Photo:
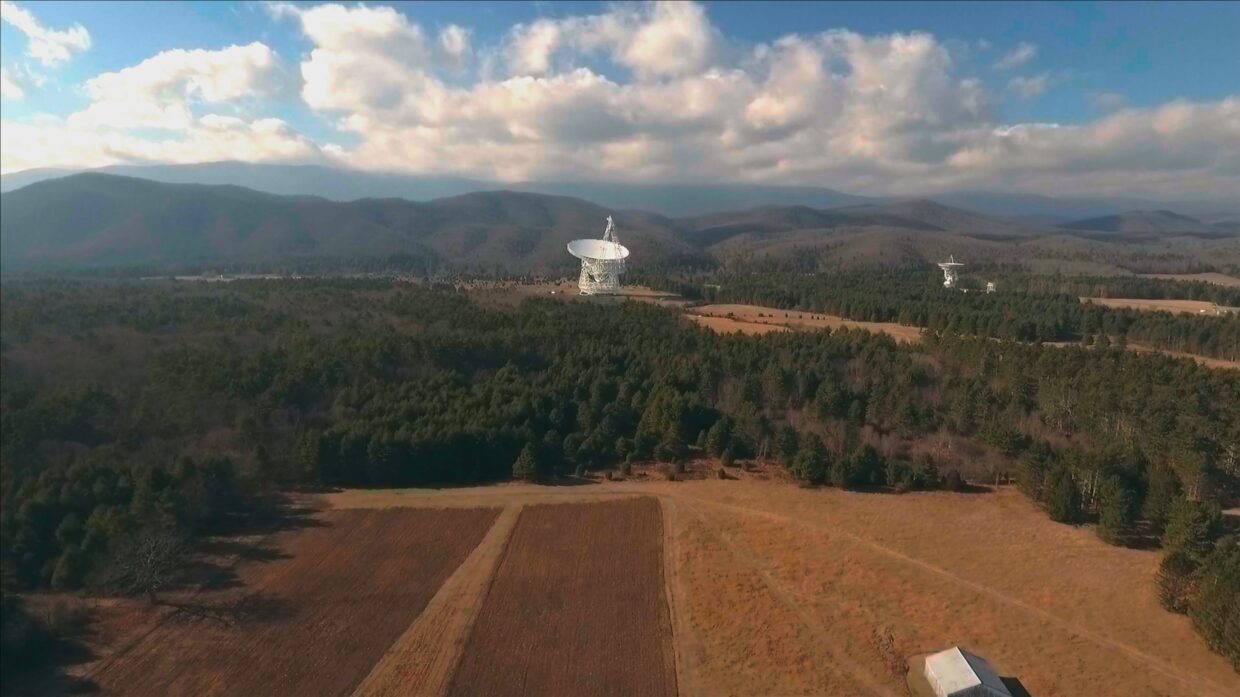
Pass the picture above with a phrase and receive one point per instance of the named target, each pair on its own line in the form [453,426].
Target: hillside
[1149,223]
[105,220]
[97,220]
[674,199]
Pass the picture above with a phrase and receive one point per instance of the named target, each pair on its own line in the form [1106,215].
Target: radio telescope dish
[602,262]
[950,269]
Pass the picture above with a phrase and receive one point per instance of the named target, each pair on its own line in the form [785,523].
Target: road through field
[422,661]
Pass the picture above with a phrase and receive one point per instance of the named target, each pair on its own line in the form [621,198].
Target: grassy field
[754,319]
[1216,278]
[702,587]
[1191,307]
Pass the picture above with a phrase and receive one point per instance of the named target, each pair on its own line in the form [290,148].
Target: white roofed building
[958,673]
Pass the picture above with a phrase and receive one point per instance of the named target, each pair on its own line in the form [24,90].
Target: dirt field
[333,600]
[755,319]
[703,587]
[1215,278]
[577,607]
[776,589]
[1191,307]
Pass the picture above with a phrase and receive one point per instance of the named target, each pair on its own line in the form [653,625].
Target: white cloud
[653,40]
[164,93]
[1031,86]
[213,137]
[48,46]
[642,93]
[9,89]
[159,91]
[1018,56]
[454,45]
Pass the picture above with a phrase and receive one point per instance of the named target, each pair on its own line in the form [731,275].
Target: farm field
[755,319]
[775,589]
[701,587]
[577,607]
[1192,307]
[1215,278]
[332,601]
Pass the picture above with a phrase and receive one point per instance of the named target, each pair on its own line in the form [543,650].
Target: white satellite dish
[602,262]
[951,269]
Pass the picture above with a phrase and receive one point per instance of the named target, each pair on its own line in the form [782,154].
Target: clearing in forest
[1218,279]
[755,319]
[325,610]
[1190,307]
[577,607]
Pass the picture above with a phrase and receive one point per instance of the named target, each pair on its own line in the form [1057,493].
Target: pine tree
[1063,503]
[1176,581]
[526,468]
[1189,529]
[1215,605]
[1117,514]
[1160,495]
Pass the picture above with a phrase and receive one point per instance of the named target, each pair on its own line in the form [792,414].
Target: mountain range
[105,220]
[670,199]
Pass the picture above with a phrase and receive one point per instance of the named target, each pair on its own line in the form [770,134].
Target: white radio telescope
[950,268]
[602,262]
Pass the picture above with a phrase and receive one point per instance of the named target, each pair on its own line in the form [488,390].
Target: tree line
[1028,309]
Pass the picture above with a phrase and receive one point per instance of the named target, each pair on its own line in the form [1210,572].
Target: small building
[958,673]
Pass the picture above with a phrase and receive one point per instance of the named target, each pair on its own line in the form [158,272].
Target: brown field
[1203,360]
[1192,307]
[1215,278]
[335,600]
[577,607]
[755,319]
[776,589]
[702,587]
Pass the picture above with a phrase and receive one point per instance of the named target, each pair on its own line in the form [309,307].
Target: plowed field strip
[422,661]
[342,594]
[1198,684]
[577,607]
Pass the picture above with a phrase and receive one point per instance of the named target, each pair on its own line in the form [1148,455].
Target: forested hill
[102,221]
[105,220]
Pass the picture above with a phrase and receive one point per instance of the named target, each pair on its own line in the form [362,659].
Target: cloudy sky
[879,99]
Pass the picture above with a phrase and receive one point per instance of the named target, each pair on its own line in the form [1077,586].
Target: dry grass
[1192,307]
[576,607]
[333,603]
[1215,278]
[1047,603]
[755,319]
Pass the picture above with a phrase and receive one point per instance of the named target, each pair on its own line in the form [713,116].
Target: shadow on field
[1015,686]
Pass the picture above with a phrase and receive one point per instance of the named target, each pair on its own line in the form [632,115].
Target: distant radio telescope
[602,262]
[950,267]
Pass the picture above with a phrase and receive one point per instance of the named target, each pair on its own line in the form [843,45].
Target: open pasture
[331,603]
[755,319]
[1215,278]
[1191,307]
